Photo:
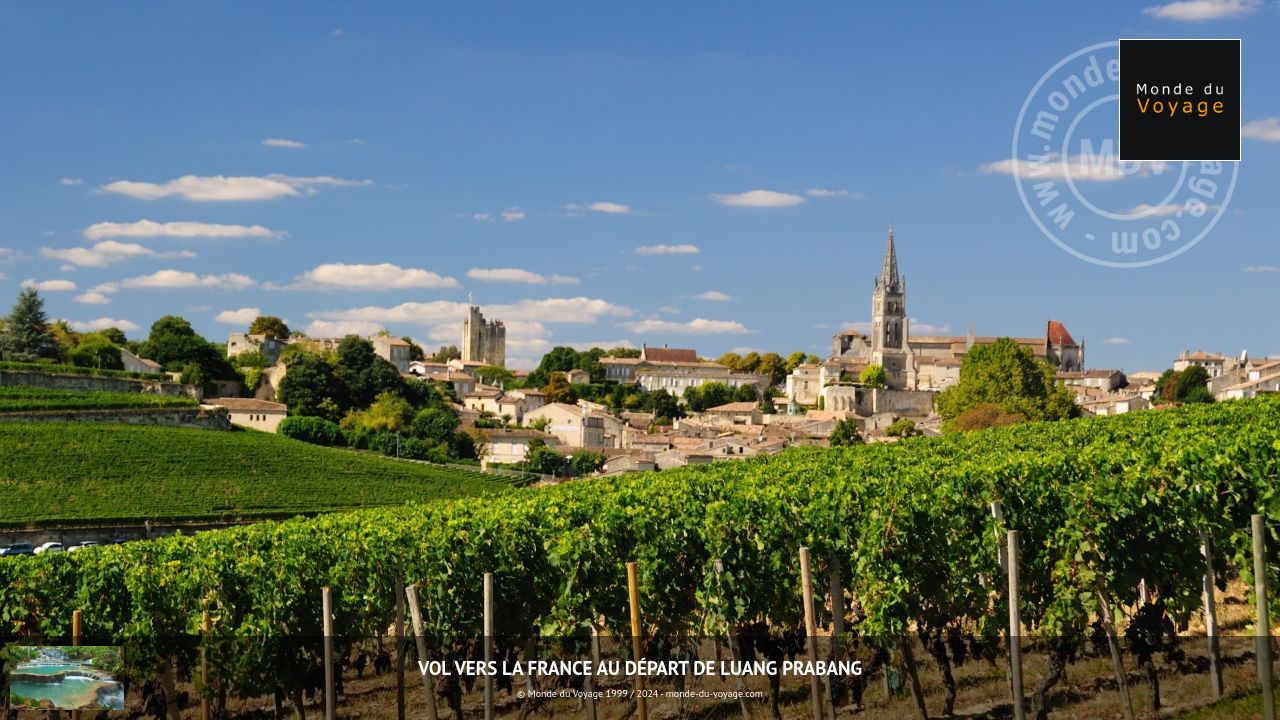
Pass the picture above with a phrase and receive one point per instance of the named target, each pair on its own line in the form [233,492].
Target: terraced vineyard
[26,399]
[70,473]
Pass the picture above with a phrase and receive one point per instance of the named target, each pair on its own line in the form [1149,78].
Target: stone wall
[902,402]
[89,383]
[106,532]
[203,417]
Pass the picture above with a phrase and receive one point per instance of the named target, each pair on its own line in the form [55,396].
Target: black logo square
[1179,100]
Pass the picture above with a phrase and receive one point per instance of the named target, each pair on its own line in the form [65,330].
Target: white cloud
[1162,210]
[481,216]
[1116,341]
[697,326]
[713,296]
[667,250]
[150,228]
[219,188]
[1267,129]
[384,276]
[49,285]
[92,297]
[610,207]
[915,326]
[603,344]
[758,199]
[283,143]
[575,310]
[9,255]
[825,193]
[179,279]
[243,316]
[1080,168]
[512,214]
[516,275]
[1262,269]
[107,252]
[70,181]
[668,309]
[354,141]
[2,276]
[1197,10]
[341,328]
[103,323]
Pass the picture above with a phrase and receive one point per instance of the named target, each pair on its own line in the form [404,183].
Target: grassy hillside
[23,399]
[61,473]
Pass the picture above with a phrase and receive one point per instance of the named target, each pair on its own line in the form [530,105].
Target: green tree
[586,462]
[115,335]
[1192,386]
[663,405]
[845,433]
[364,374]
[902,427]
[269,325]
[416,353]
[388,413]
[434,423]
[558,390]
[1010,377]
[493,375]
[445,354]
[311,388]
[873,376]
[709,395]
[795,360]
[175,345]
[27,335]
[745,393]
[559,359]
[774,366]
[542,459]
[96,351]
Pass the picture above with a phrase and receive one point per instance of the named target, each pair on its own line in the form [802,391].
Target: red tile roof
[1058,334]
[669,354]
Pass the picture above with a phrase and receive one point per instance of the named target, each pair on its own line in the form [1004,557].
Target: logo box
[1179,100]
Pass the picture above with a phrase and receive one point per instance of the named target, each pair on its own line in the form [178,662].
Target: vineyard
[1102,506]
[50,368]
[67,474]
[26,399]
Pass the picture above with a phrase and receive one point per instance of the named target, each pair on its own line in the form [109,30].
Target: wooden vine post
[1117,664]
[637,641]
[835,593]
[77,637]
[330,699]
[1015,628]
[1263,630]
[428,678]
[488,645]
[400,650]
[811,633]
[1211,616]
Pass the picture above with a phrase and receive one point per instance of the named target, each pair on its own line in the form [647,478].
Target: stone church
[913,362]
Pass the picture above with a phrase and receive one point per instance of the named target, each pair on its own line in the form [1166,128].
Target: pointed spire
[889,278]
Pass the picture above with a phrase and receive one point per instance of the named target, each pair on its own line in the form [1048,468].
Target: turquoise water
[72,692]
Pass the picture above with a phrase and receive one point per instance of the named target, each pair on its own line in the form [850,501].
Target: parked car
[82,545]
[18,549]
[51,547]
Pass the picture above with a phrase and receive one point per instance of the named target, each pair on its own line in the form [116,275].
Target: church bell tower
[889,348]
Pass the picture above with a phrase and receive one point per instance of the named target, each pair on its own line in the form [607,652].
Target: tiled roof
[1058,334]
[247,404]
[663,354]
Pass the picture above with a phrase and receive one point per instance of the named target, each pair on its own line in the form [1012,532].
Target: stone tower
[483,340]
[889,347]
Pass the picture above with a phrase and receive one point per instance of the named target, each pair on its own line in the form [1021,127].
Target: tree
[844,434]
[115,335]
[1010,377]
[363,373]
[1193,385]
[774,366]
[795,360]
[311,388]
[96,351]
[416,353]
[493,375]
[560,359]
[558,390]
[745,393]
[434,423]
[986,415]
[314,430]
[543,460]
[269,325]
[27,336]
[766,402]
[175,345]
[66,336]
[902,427]
[664,405]
[445,354]
[873,376]
[388,413]
[586,462]
[709,395]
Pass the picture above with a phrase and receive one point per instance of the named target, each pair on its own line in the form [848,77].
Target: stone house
[510,447]
[247,412]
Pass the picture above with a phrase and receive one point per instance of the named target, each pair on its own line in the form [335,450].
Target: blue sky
[587,172]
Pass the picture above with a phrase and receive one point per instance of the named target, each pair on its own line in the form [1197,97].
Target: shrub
[315,430]
[902,428]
